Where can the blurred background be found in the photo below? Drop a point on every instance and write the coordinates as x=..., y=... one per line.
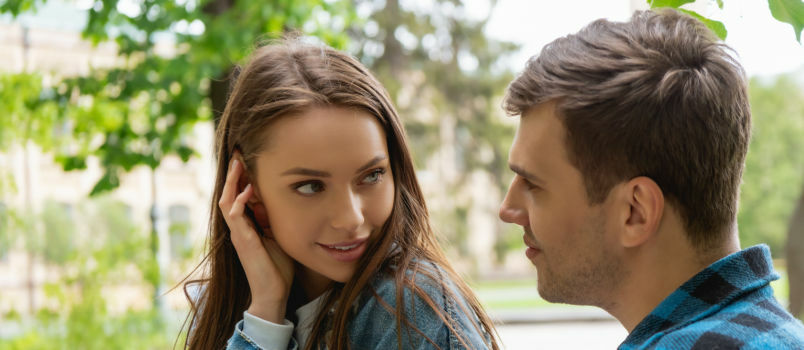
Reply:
x=107, y=115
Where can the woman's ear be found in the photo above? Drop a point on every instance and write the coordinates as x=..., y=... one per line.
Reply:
x=255, y=203
x=260, y=213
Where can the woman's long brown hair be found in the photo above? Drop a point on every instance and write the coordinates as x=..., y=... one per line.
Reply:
x=288, y=78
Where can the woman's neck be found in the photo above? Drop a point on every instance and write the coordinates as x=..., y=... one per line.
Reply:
x=313, y=283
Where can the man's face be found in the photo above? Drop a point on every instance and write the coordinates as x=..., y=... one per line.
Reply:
x=568, y=240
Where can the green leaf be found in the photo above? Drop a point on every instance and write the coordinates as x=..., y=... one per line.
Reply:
x=71, y=162
x=185, y=152
x=789, y=11
x=18, y=6
x=715, y=26
x=108, y=182
x=668, y=3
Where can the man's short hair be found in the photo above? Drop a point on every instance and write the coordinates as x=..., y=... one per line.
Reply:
x=657, y=96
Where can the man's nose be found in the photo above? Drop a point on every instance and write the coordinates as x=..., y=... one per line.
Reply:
x=511, y=212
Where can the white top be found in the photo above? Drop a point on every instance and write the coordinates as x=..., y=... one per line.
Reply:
x=268, y=335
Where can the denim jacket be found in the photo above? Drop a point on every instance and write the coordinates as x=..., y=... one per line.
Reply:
x=373, y=326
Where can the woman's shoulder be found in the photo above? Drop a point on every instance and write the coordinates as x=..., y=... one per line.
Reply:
x=423, y=275
x=429, y=301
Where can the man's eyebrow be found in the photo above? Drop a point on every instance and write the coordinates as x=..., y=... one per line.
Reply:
x=371, y=163
x=524, y=173
x=321, y=173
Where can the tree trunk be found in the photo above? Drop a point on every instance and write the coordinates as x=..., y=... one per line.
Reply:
x=795, y=259
x=220, y=87
x=393, y=56
x=219, y=90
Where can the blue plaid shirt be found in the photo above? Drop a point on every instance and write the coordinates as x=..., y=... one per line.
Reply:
x=728, y=305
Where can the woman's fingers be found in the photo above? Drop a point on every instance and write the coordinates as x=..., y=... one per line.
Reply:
x=233, y=206
x=281, y=260
x=268, y=269
x=230, y=185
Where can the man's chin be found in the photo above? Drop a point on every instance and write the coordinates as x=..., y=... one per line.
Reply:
x=552, y=294
x=546, y=294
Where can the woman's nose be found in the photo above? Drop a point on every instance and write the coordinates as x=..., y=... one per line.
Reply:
x=348, y=213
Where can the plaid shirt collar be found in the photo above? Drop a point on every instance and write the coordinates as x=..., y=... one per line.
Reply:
x=708, y=291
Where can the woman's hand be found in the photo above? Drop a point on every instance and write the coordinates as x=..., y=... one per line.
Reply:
x=268, y=269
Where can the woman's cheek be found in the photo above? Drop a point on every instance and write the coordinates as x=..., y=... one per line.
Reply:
x=385, y=204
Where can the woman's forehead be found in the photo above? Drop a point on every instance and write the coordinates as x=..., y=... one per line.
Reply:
x=325, y=137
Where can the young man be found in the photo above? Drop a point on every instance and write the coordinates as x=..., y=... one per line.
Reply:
x=628, y=160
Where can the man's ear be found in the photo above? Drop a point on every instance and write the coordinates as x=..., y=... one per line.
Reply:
x=644, y=206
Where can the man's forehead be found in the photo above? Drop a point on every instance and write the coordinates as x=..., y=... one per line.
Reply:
x=537, y=130
x=539, y=141
x=526, y=157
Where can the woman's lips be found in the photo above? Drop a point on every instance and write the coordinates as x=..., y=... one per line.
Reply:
x=346, y=251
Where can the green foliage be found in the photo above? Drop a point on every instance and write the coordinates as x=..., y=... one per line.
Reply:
x=789, y=11
x=716, y=26
x=27, y=110
x=113, y=252
x=772, y=181
x=669, y=3
x=15, y=7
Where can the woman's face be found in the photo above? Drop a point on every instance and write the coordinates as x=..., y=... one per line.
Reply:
x=324, y=180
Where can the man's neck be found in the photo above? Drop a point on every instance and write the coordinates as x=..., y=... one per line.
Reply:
x=656, y=271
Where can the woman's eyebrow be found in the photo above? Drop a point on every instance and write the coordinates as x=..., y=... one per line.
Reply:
x=306, y=172
x=371, y=163
x=321, y=173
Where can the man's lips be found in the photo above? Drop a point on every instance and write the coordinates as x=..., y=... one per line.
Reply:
x=533, y=249
x=529, y=240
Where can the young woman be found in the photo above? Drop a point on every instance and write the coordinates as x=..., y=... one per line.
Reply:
x=319, y=235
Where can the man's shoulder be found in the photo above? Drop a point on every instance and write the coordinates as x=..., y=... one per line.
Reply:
x=750, y=323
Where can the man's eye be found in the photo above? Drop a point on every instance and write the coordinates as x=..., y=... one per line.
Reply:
x=373, y=177
x=310, y=188
x=529, y=184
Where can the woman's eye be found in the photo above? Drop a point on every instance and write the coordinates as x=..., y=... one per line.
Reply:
x=310, y=188
x=374, y=177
